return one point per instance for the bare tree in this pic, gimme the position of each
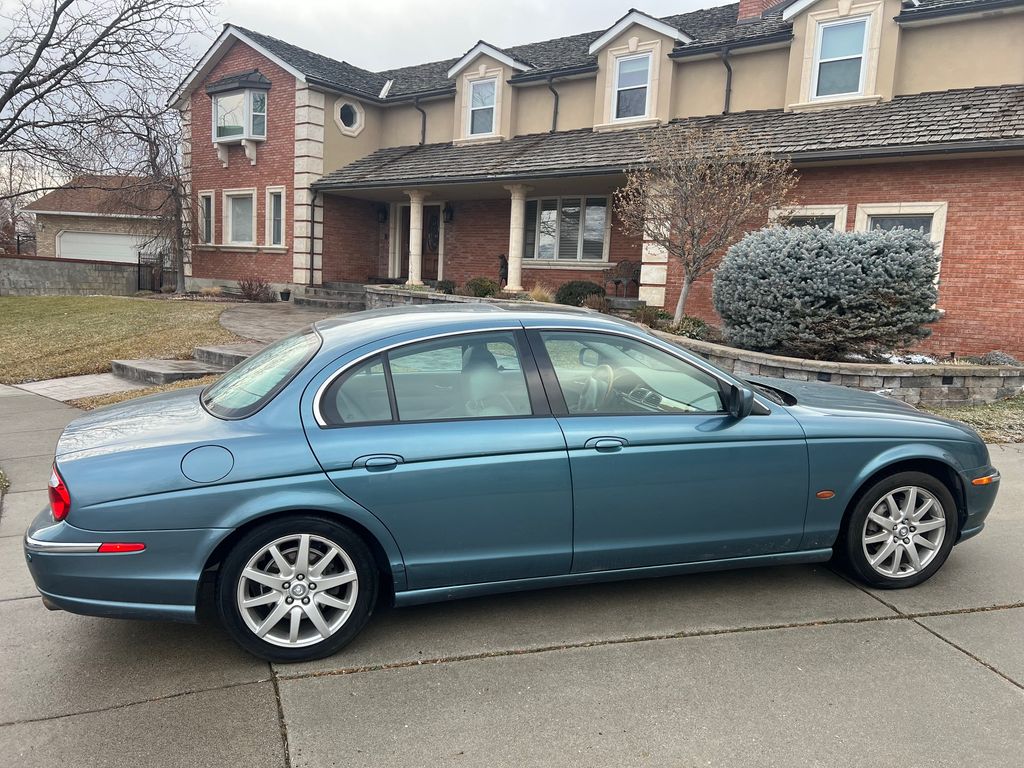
(696, 192)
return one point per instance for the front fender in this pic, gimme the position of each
(843, 466)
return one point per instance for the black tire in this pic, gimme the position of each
(347, 541)
(851, 546)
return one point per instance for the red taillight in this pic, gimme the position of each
(112, 546)
(60, 499)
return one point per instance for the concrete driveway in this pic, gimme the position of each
(787, 666)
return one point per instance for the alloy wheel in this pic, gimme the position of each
(903, 532)
(297, 591)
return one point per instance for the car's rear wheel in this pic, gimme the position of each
(901, 530)
(297, 588)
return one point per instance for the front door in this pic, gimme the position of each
(451, 445)
(661, 474)
(431, 241)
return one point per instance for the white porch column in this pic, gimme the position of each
(415, 236)
(515, 236)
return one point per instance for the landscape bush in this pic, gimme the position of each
(575, 291)
(823, 294)
(541, 292)
(596, 302)
(480, 287)
(692, 328)
(255, 288)
(445, 286)
(649, 316)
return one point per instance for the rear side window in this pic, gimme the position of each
(249, 386)
(361, 396)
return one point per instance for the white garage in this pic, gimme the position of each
(100, 246)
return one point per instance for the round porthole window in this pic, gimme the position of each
(348, 115)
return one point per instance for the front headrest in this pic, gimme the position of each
(478, 356)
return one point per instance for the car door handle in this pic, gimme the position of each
(378, 462)
(606, 444)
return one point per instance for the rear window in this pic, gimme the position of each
(249, 386)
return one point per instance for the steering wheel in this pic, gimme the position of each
(596, 390)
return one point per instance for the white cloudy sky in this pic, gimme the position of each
(381, 34)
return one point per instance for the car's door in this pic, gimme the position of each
(450, 442)
(661, 473)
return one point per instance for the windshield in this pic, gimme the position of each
(249, 386)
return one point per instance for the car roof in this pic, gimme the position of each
(358, 328)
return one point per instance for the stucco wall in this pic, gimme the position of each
(66, 277)
(758, 82)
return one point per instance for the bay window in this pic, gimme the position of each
(566, 229)
(240, 115)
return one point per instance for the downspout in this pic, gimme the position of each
(312, 233)
(554, 109)
(423, 120)
(728, 79)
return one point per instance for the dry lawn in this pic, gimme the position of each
(999, 422)
(46, 337)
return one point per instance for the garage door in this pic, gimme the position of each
(99, 246)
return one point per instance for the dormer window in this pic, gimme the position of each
(240, 115)
(632, 86)
(482, 95)
(839, 58)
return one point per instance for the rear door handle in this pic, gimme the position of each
(378, 462)
(606, 444)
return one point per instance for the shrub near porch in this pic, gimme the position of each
(46, 337)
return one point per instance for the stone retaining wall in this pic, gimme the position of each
(925, 384)
(27, 276)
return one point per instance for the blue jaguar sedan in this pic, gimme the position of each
(415, 455)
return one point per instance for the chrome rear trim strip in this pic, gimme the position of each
(63, 547)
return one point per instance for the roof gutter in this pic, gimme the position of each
(535, 77)
(756, 42)
(909, 17)
(606, 170)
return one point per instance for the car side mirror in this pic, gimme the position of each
(741, 401)
(589, 358)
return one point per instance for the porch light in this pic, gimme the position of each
(382, 214)
(448, 213)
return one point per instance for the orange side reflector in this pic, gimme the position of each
(825, 494)
(987, 480)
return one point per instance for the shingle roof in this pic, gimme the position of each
(923, 122)
(106, 196)
(708, 27)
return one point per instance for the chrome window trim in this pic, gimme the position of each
(381, 350)
(63, 547)
(658, 343)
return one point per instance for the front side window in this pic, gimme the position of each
(241, 215)
(206, 218)
(922, 223)
(275, 217)
(839, 60)
(240, 115)
(249, 386)
(601, 374)
(632, 82)
(482, 99)
(566, 228)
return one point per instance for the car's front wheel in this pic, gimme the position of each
(297, 588)
(901, 530)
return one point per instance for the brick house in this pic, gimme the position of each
(309, 170)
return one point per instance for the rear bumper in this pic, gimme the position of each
(160, 582)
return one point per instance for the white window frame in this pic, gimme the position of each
(616, 88)
(470, 108)
(534, 259)
(201, 217)
(227, 233)
(357, 127)
(838, 212)
(247, 133)
(269, 223)
(937, 210)
(818, 61)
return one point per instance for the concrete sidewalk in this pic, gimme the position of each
(784, 666)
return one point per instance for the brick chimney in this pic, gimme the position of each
(752, 9)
